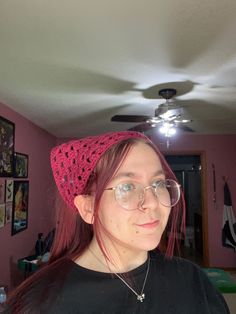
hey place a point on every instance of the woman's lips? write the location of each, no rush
(152, 224)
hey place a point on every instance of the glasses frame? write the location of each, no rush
(144, 190)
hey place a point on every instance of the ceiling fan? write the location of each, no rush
(168, 122)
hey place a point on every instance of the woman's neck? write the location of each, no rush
(118, 260)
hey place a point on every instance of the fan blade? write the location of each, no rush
(184, 128)
(141, 127)
(129, 118)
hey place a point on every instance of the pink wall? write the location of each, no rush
(220, 150)
(37, 143)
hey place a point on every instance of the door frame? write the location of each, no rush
(202, 154)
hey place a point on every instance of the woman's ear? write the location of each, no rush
(85, 206)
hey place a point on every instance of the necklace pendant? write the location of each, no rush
(141, 297)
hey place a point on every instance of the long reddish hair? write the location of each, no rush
(73, 235)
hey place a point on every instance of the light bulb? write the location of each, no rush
(167, 129)
(163, 129)
(172, 131)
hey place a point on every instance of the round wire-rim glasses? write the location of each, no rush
(131, 195)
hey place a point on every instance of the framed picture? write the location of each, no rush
(9, 191)
(20, 165)
(8, 212)
(20, 206)
(2, 215)
(2, 191)
(7, 137)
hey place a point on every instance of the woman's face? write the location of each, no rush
(140, 229)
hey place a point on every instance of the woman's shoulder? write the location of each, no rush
(185, 279)
(176, 265)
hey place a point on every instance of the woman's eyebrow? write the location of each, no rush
(124, 174)
(134, 175)
(159, 173)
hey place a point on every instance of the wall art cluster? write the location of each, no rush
(14, 191)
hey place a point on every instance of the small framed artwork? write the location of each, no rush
(20, 206)
(2, 191)
(2, 215)
(7, 138)
(20, 165)
(9, 191)
(8, 212)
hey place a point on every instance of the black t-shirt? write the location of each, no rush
(173, 286)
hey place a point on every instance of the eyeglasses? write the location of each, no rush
(131, 195)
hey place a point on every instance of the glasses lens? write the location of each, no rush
(168, 192)
(129, 195)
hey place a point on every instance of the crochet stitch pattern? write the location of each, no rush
(73, 162)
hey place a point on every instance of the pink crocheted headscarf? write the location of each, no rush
(73, 162)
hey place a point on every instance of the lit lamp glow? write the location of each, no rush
(168, 129)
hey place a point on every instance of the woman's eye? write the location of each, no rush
(127, 187)
(160, 184)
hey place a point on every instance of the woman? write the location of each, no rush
(106, 258)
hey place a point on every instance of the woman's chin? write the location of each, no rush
(149, 245)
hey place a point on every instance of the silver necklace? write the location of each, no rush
(141, 296)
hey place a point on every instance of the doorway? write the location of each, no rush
(188, 171)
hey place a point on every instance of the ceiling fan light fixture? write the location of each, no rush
(165, 115)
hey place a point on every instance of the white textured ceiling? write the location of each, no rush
(70, 65)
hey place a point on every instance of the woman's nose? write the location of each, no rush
(150, 199)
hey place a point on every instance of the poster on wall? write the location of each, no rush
(20, 206)
(20, 165)
(9, 190)
(8, 212)
(2, 191)
(7, 137)
(2, 215)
